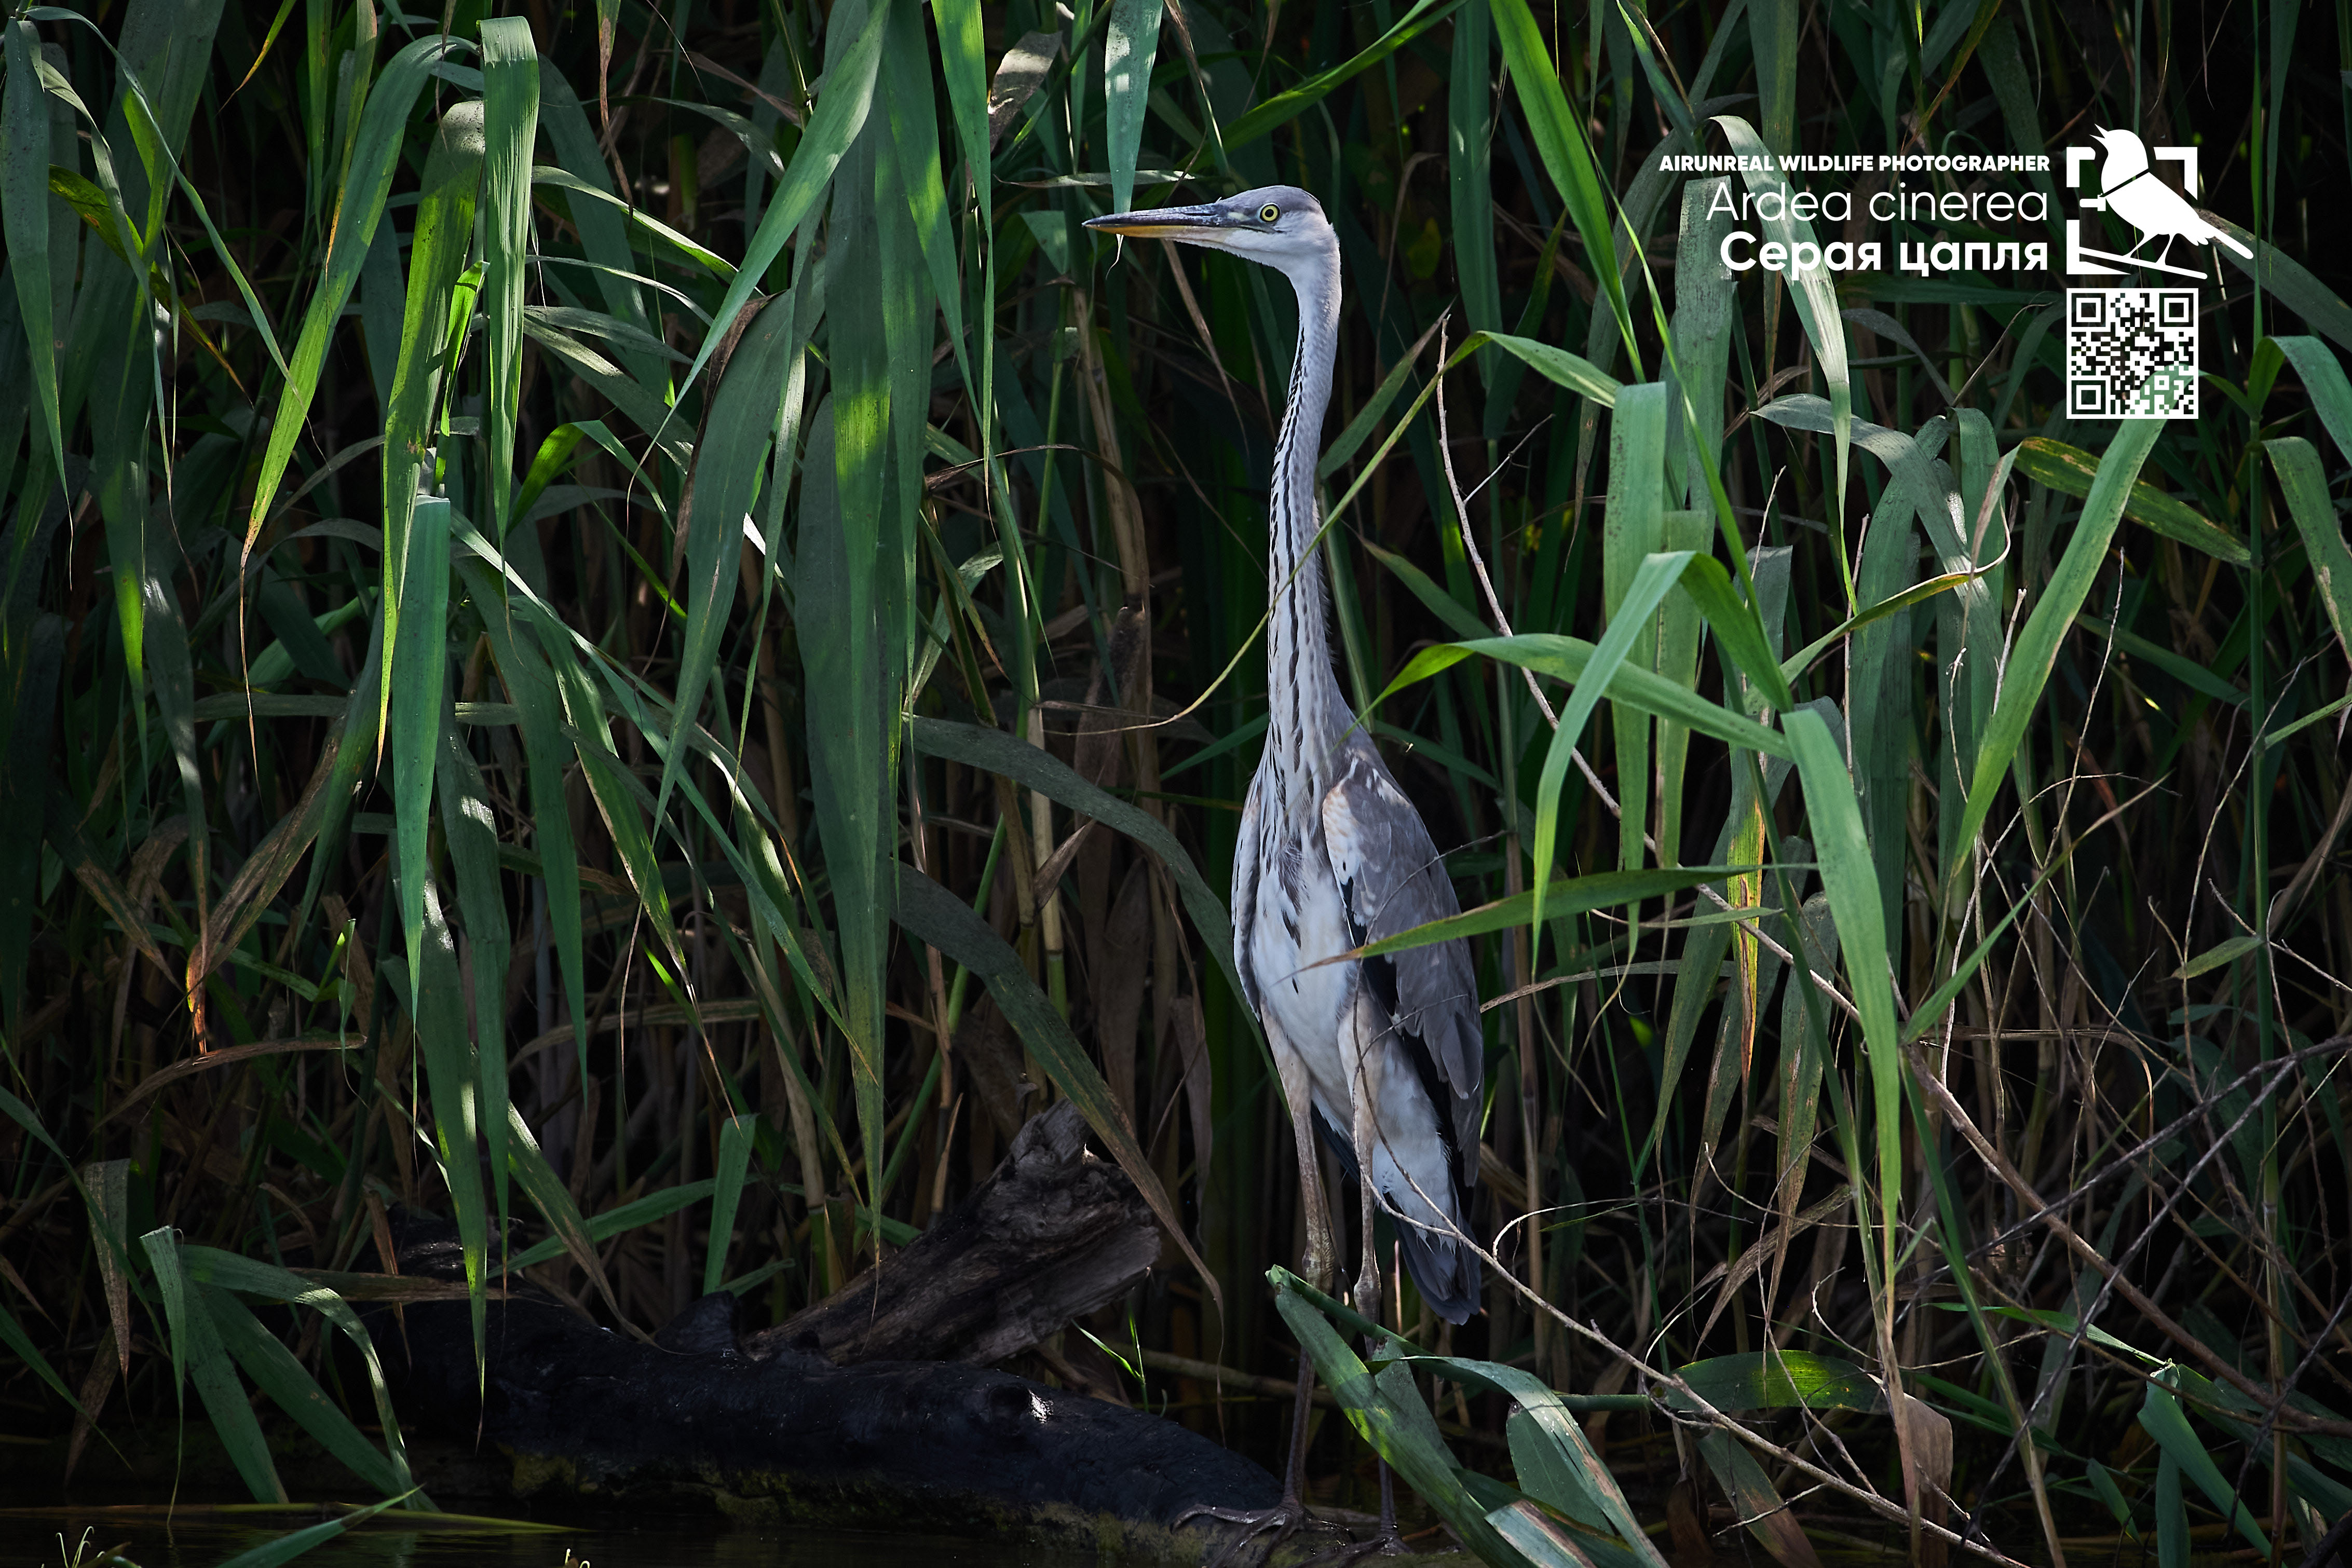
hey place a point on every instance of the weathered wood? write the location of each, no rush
(900, 1446)
(868, 1410)
(1051, 1235)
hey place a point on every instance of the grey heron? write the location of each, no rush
(1384, 1052)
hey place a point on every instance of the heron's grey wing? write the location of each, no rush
(1392, 879)
(1246, 855)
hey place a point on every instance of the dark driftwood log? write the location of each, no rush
(896, 1444)
(1054, 1234)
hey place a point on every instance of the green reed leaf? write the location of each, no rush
(2070, 470)
(294, 1543)
(646, 1210)
(851, 600)
(604, 225)
(573, 1235)
(375, 155)
(1757, 1501)
(1632, 529)
(1773, 29)
(355, 751)
(1130, 48)
(1815, 297)
(1560, 141)
(2292, 283)
(1737, 629)
(1557, 1422)
(1286, 106)
(416, 521)
(470, 831)
(1417, 1455)
(2161, 1418)
(2304, 483)
(2324, 380)
(1567, 895)
(1797, 664)
(1705, 321)
(197, 1348)
(963, 62)
(1469, 120)
(1445, 606)
(1850, 876)
(437, 1003)
(1778, 1379)
(275, 1371)
(24, 220)
(1549, 1476)
(230, 1272)
(1556, 365)
(560, 179)
(510, 130)
(1568, 659)
(155, 129)
(735, 1138)
(1651, 583)
(840, 115)
(730, 457)
(915, 142)
(12, 1335)
(2036, 648)
(1911, 460)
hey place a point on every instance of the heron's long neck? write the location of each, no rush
(1308, 713)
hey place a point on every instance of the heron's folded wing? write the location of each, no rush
(1392, 879)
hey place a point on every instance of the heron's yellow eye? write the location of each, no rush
(1268, 212)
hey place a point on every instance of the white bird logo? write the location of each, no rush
(2129, 189)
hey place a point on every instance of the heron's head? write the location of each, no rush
(1279, 227)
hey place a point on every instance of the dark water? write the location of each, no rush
(208, 1538)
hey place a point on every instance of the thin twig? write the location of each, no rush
(2157, 1318)
(1885, 1508)
(1479, 563)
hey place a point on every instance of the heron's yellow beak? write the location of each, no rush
(1200, 225)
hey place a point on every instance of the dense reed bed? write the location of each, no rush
(618, 628)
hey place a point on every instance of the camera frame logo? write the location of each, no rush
(2132, 352)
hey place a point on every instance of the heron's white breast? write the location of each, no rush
(1300, 919)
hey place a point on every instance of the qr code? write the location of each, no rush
(2131, 353)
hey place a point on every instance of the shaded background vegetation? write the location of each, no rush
(396, 479)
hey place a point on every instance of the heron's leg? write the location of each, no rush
(1383, 1542)
(1318, 1265)
(1285, 1517)
(1293, 1474)
(1367, 1294)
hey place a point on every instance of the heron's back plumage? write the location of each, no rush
(1419, 1010)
